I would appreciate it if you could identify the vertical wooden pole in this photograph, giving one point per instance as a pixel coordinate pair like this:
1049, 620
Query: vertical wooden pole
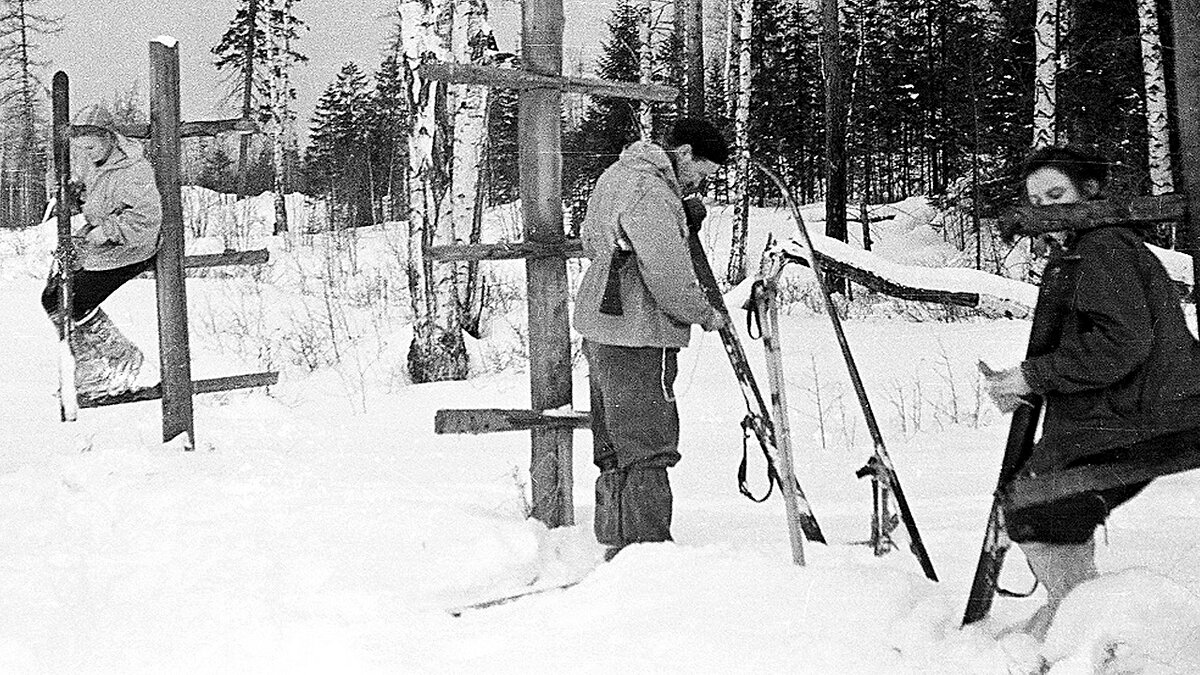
172, 293
540, 143
1186, 21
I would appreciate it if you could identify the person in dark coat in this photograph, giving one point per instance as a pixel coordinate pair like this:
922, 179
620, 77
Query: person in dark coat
1125, 372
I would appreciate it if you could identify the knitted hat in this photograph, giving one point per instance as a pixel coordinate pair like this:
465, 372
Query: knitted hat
93, 119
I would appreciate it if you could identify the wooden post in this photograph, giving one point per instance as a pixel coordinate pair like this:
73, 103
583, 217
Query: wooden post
1186, 21
164, 154
540, 143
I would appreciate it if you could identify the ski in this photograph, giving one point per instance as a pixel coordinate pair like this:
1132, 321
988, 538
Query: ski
764, 298
1043, 335
64, 254
459, 610
758, 415
879, 466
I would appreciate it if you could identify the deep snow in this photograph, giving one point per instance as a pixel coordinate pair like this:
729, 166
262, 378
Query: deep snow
323, 527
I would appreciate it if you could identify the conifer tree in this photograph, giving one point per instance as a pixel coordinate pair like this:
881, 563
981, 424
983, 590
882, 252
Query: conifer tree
337, 159
22, 103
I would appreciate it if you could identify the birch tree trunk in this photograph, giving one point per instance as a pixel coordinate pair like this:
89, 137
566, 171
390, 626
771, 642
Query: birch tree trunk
437, 351
689, 26
1045, 38
645, 67
472, 43
1161, 181
732, 10
741, 131
280, 112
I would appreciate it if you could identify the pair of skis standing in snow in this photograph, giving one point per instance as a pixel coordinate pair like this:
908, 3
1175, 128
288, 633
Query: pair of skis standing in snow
113, 239
1110, 358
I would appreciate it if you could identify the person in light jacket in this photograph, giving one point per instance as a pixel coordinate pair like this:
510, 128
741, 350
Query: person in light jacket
118, 240
637, 207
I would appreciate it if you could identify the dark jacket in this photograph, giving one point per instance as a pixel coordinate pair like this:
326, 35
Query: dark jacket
638, 200
1126, 368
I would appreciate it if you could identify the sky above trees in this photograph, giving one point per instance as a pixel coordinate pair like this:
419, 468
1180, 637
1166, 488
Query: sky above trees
105, 52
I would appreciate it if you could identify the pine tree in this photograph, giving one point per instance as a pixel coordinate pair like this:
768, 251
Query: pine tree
609, 124
338, 158
22, 102
258, 52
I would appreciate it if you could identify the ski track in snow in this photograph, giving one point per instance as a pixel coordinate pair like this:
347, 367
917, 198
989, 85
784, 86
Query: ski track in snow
305, 535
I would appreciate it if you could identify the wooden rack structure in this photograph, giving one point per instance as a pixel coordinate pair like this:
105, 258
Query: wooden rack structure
164, 133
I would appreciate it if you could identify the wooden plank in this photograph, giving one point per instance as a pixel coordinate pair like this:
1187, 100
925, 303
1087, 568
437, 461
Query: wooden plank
465, 73
1031, 220
489, 420
228, 258
1142, 463
571, 248
164, 153
209, 386
197, 129
539, 129
255, 257
1185, 17
890, 288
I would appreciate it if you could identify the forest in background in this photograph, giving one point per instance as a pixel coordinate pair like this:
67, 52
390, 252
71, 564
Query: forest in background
941, 98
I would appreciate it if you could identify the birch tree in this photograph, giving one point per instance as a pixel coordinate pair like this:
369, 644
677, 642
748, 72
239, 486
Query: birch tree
1157, 130
741, 132
646, 65
472, 42
437, 351
281, 59
1045, 87
689, 27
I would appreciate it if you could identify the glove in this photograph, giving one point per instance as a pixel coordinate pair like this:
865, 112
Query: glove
1007, 388
694, 211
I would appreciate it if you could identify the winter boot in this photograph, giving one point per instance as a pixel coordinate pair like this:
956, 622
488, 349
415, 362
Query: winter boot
608, 508
1060, 568
646, 503
106, 362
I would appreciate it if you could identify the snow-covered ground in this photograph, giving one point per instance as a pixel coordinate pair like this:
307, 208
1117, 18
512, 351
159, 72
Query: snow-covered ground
323, 527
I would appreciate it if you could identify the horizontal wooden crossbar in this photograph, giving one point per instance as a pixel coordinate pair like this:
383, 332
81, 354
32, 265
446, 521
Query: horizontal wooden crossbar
255, 257
890, 288
199, 129
461, 73
1141, 464
209, 386
488, 420
506, 251
1032, 220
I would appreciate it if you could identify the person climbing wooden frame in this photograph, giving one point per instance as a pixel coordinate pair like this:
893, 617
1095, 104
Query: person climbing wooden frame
163, 151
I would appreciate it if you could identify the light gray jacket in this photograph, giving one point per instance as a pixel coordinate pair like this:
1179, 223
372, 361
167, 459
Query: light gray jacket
638, 200
122, 200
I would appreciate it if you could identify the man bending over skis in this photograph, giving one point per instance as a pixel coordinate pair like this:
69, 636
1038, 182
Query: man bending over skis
636, 211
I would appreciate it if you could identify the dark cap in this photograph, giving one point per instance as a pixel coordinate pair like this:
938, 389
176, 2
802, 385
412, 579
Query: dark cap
704, 139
